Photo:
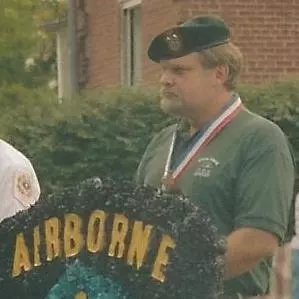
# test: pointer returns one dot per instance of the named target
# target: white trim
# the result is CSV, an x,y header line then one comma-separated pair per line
x,y
122,51
127,4
131,40
62,63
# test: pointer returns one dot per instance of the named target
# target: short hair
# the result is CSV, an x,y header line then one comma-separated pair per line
x,y
227,54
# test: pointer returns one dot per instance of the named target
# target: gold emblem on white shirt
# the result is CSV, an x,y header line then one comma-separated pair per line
x,y
22,188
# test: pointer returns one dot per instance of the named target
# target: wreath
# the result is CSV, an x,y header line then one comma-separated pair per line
x,y
111,240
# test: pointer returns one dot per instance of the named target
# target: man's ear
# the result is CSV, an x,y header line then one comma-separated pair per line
x,y
221,73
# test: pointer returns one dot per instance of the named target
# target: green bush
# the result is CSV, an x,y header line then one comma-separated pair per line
x,y
104,133
99,133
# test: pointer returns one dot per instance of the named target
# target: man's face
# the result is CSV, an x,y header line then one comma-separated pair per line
x,y
185,86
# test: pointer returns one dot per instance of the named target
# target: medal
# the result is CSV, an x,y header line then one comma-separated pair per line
x,y
167,179
167,182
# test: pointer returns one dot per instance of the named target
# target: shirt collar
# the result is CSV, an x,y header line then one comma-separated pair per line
x,y
184,125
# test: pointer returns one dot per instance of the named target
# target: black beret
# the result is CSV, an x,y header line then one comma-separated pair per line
x,y
194,35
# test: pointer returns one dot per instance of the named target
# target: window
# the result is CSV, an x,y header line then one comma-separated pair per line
x,y
131,42
59,27
62,63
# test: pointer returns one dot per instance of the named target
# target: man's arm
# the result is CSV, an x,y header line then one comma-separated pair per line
x,y
246,247
264,194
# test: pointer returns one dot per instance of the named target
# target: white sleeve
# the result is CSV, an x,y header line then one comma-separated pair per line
x,y
19,189
295,240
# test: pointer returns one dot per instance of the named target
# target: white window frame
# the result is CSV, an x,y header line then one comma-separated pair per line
x,y
130,70
126,4
62,63
59,27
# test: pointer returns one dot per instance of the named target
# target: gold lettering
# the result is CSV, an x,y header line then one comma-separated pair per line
x,y
96,231
73,239
162,258
81,295
119,232
52,238
36,245
21,256
139,243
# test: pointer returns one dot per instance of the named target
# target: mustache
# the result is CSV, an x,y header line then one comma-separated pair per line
x,y
167,93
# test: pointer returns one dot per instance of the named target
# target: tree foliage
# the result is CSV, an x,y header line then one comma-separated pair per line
x,y
21,36
17,29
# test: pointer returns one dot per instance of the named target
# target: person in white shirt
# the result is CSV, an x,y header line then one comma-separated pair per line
x,y
19,186
295,253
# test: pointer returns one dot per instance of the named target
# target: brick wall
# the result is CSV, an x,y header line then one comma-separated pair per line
x,y
266,31
157,16
103,42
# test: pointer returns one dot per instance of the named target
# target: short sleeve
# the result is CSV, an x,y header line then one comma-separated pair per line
x,y
141,170
157,140
25,187
265,185
19,189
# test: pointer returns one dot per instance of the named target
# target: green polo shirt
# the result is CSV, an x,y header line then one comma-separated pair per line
x,y
244,178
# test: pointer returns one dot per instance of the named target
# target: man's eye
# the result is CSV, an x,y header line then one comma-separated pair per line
x,y
178,71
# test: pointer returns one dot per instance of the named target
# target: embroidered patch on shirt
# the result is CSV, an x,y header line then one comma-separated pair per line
x,y
205,166
23,188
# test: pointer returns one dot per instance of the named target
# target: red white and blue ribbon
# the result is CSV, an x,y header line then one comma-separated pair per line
x,y
214,129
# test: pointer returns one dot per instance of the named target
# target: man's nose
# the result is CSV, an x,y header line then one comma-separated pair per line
x,y
166,79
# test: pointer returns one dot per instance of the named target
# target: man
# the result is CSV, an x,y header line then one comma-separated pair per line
x,y
19,187
235,164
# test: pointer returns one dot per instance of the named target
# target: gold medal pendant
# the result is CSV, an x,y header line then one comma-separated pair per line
x,y
168,182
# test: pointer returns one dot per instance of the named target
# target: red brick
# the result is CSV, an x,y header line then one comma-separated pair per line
x,y
266,31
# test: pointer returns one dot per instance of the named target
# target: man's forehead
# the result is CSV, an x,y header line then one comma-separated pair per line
x,y
189,60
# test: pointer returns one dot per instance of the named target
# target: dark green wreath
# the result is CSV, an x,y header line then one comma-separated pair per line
x,y
196,264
